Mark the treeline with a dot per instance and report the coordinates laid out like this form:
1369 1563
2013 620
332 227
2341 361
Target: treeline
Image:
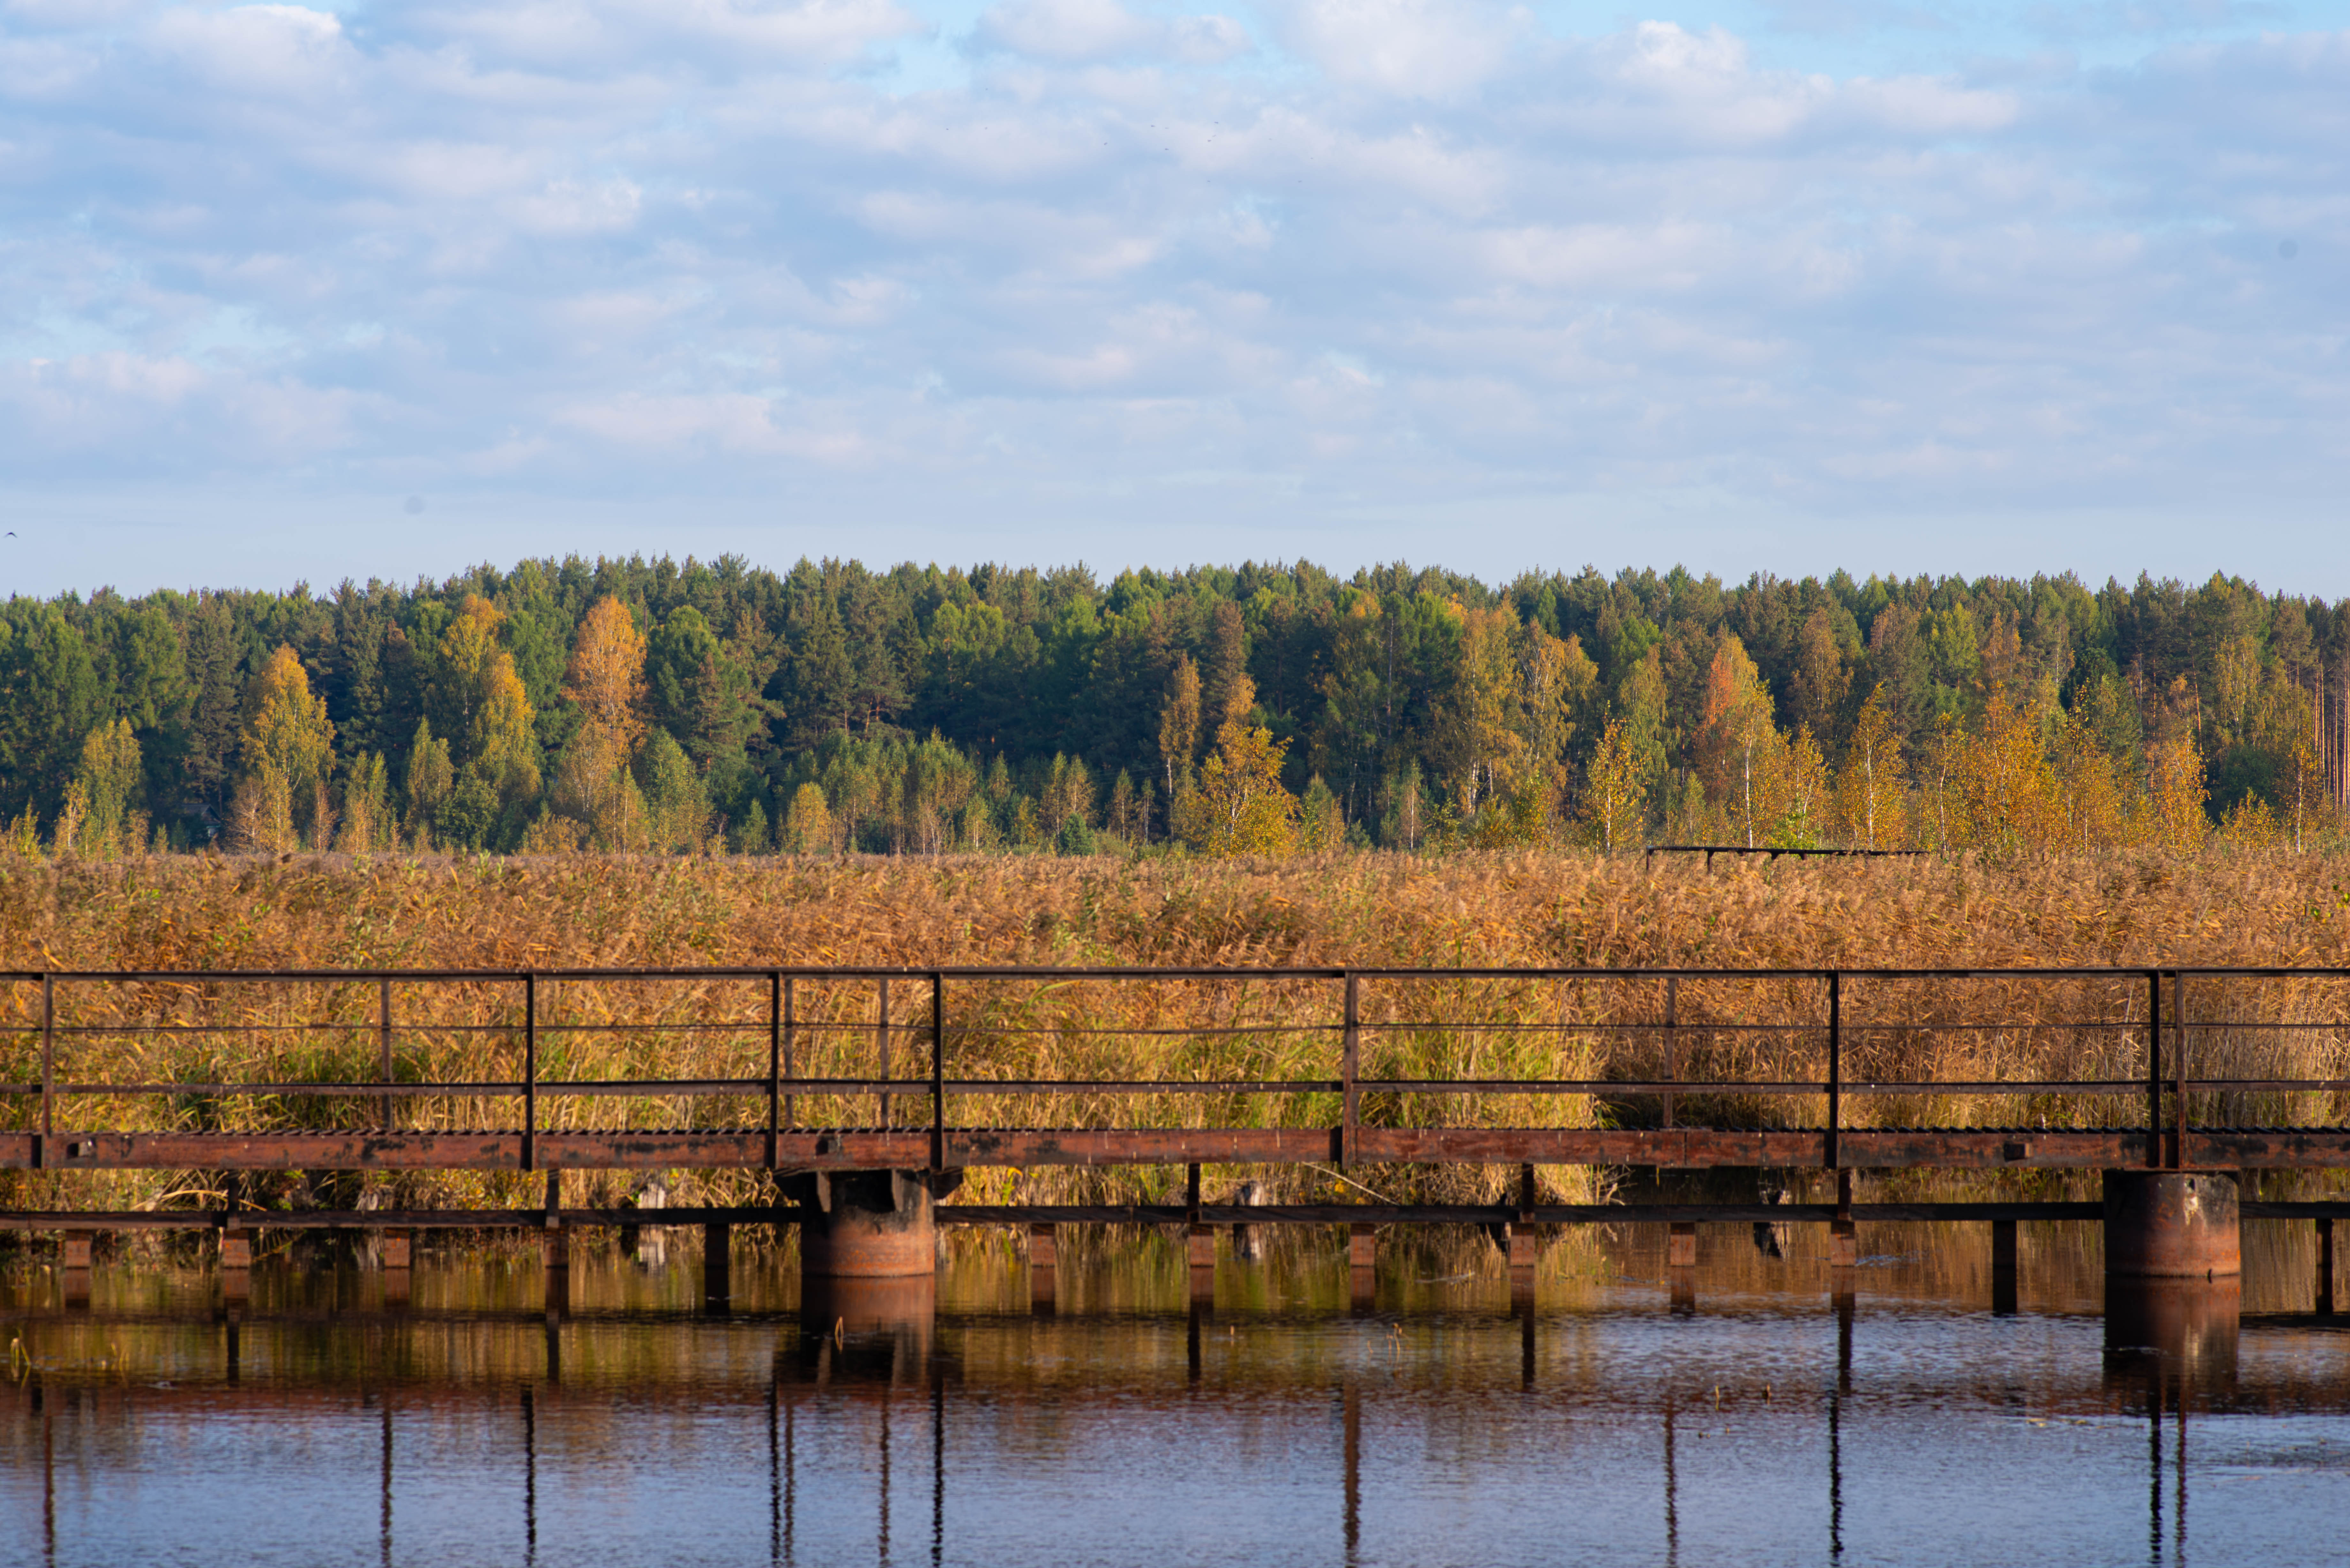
658 706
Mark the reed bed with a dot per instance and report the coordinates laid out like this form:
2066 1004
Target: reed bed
1374 909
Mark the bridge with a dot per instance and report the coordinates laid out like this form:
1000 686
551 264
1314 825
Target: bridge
855 1100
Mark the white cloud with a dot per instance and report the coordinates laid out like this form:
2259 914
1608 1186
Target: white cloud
1428 251
1415 49
270 50
573 207
1081 30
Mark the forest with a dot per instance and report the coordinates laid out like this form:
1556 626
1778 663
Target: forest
693 708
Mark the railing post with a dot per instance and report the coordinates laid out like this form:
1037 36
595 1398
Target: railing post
49 1072
2154 1069
383 1040
530 1071
1835 1068
1350 1061
881 1031
937 1072
1672 1039
774 1057
791 1030
2178 1072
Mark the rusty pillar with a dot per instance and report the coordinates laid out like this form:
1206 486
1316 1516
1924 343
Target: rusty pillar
2172 1224
76 1246
866 1225
396 1249
1681 1245
1843 1244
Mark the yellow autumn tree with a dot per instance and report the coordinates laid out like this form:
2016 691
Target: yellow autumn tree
1179 725
1790 798
483 692
808 823
288 745
2173 813
2092 806
1733 727
1615 793
1871 795
2004 782
101 800
1239 806
369 822
606 681
1476 742
1555 680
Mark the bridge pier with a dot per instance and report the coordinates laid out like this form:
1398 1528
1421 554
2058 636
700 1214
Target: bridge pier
2171 1225
866 1224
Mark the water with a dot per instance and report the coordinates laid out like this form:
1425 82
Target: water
1758 1420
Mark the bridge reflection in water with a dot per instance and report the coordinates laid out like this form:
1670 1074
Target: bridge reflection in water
1772 1414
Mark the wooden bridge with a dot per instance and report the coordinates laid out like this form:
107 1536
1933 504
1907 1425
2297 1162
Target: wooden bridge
808 1075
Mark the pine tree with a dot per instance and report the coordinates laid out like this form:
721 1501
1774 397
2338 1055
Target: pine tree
1227 694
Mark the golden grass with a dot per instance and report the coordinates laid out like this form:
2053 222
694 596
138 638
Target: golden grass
1498 909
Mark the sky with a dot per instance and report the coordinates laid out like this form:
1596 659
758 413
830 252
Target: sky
385 288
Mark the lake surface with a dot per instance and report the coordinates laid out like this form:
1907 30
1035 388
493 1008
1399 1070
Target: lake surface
1752 1416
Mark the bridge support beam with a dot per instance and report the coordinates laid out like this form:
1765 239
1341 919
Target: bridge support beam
2171 1225
866 1224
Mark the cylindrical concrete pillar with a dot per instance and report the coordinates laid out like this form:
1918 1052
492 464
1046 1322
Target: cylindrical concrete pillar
2171 1225
868 1225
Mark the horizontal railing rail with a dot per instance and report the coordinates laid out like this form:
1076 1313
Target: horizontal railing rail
525 1023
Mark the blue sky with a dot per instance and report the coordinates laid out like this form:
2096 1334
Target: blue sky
301 293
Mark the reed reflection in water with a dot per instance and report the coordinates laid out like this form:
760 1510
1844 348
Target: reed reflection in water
1756 1417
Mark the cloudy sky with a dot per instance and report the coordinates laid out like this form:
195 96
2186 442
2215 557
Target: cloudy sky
391 286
